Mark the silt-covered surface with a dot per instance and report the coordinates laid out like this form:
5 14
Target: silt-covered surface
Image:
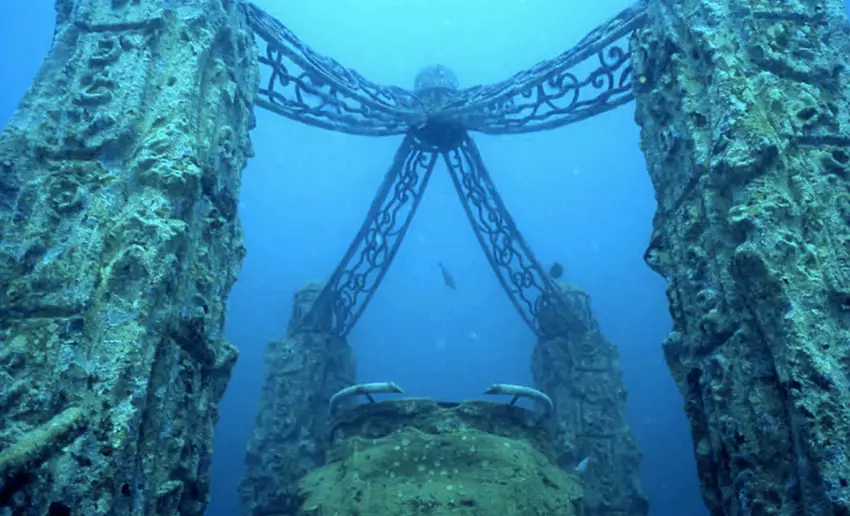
472 458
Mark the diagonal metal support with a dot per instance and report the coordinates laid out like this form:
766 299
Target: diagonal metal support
532 291
301 84
360 272
554 93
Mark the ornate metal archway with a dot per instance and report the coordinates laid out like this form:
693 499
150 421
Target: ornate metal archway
436 119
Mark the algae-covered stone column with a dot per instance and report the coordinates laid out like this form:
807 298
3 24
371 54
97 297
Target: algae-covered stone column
290 436
581 372
744 114
119 243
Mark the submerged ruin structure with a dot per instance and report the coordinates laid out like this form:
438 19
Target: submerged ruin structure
436 119
120 241
290 436
580 370
745 123
119 244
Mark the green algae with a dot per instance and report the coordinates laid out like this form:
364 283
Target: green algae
462 472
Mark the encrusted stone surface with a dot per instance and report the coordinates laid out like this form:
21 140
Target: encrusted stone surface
413 456
290 435
744 114
581 372
377 420
119 243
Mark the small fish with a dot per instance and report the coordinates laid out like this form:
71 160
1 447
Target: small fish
473 335
582 466
447 277
556 270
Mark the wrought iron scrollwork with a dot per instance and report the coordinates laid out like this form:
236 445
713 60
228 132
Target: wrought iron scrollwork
436 119
301 84
359 273
552 94
532 291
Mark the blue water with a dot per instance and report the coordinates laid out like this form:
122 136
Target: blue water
580 194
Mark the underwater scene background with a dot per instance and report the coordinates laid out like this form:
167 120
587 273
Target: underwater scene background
580 195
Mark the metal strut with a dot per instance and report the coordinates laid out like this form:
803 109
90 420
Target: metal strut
539 301
532 291
359 273
301 84
553 93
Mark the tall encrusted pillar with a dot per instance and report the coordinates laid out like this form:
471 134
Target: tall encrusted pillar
581 372
119 243
290 436
744 113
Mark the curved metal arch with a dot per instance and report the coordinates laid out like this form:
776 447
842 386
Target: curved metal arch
303 85
308 87
550 94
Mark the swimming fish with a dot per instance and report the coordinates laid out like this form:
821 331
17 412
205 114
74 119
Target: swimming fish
447 277
556 270
582 466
